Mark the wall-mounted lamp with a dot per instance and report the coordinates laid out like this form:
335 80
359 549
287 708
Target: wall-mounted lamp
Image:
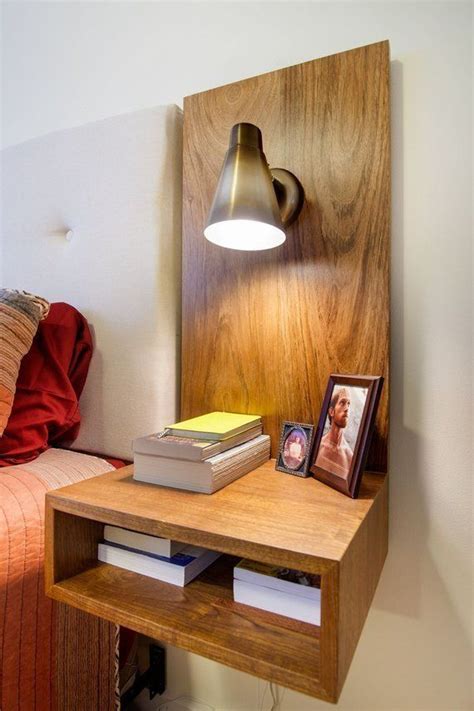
253 204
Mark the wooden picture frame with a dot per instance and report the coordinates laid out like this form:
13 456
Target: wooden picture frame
344 431
289 460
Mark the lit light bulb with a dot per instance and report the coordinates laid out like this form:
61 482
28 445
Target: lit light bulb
248 235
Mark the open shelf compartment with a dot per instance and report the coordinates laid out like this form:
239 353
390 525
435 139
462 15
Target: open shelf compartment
202 617
266 516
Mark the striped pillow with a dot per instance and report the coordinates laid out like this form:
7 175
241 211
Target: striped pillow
20 314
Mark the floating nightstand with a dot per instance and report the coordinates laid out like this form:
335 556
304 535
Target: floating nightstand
264 516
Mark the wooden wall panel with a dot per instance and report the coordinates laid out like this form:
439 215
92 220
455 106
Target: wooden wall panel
262 331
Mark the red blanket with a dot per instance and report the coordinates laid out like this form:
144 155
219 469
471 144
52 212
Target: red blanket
52 375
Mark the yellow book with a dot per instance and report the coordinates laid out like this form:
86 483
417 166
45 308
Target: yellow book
214 425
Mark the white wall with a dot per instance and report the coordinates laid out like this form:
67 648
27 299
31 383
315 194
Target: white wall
65 64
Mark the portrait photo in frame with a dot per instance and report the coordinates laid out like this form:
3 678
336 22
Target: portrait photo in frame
294 454
344 431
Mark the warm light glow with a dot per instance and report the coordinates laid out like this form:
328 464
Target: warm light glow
248 235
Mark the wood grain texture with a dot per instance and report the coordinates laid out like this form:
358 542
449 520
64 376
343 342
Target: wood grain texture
329 639
71 544
359 573
266 515
202 618
261 334
262 331
84 678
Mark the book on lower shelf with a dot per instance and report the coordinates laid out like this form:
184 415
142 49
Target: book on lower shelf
206 476
179 569
286 592
143 542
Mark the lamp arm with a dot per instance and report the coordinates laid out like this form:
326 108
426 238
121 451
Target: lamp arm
289 193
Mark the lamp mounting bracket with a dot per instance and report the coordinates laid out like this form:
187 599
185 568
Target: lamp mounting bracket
289 193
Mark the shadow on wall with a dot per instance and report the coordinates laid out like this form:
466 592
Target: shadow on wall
414 653
168 232
93 398
411 586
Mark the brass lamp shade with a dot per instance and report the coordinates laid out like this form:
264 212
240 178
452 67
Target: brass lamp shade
251 206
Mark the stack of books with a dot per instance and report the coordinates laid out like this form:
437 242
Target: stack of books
286 592
202 454
160 558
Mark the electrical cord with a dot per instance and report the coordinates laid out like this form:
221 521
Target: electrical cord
276 698
274 693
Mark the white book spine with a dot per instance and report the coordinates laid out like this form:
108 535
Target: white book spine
162 570
270 581
203 482
169 469
142 542
136 563
298 608
193 450
186 485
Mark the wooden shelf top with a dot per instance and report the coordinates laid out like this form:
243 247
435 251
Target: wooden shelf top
266 515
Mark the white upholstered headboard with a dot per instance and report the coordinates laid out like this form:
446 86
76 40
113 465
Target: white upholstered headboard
117 185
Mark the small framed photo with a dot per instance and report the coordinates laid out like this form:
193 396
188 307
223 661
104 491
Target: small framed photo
345 430
294 455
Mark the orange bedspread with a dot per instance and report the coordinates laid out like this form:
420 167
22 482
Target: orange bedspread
51 656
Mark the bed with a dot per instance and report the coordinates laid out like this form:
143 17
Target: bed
91 223
37 647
